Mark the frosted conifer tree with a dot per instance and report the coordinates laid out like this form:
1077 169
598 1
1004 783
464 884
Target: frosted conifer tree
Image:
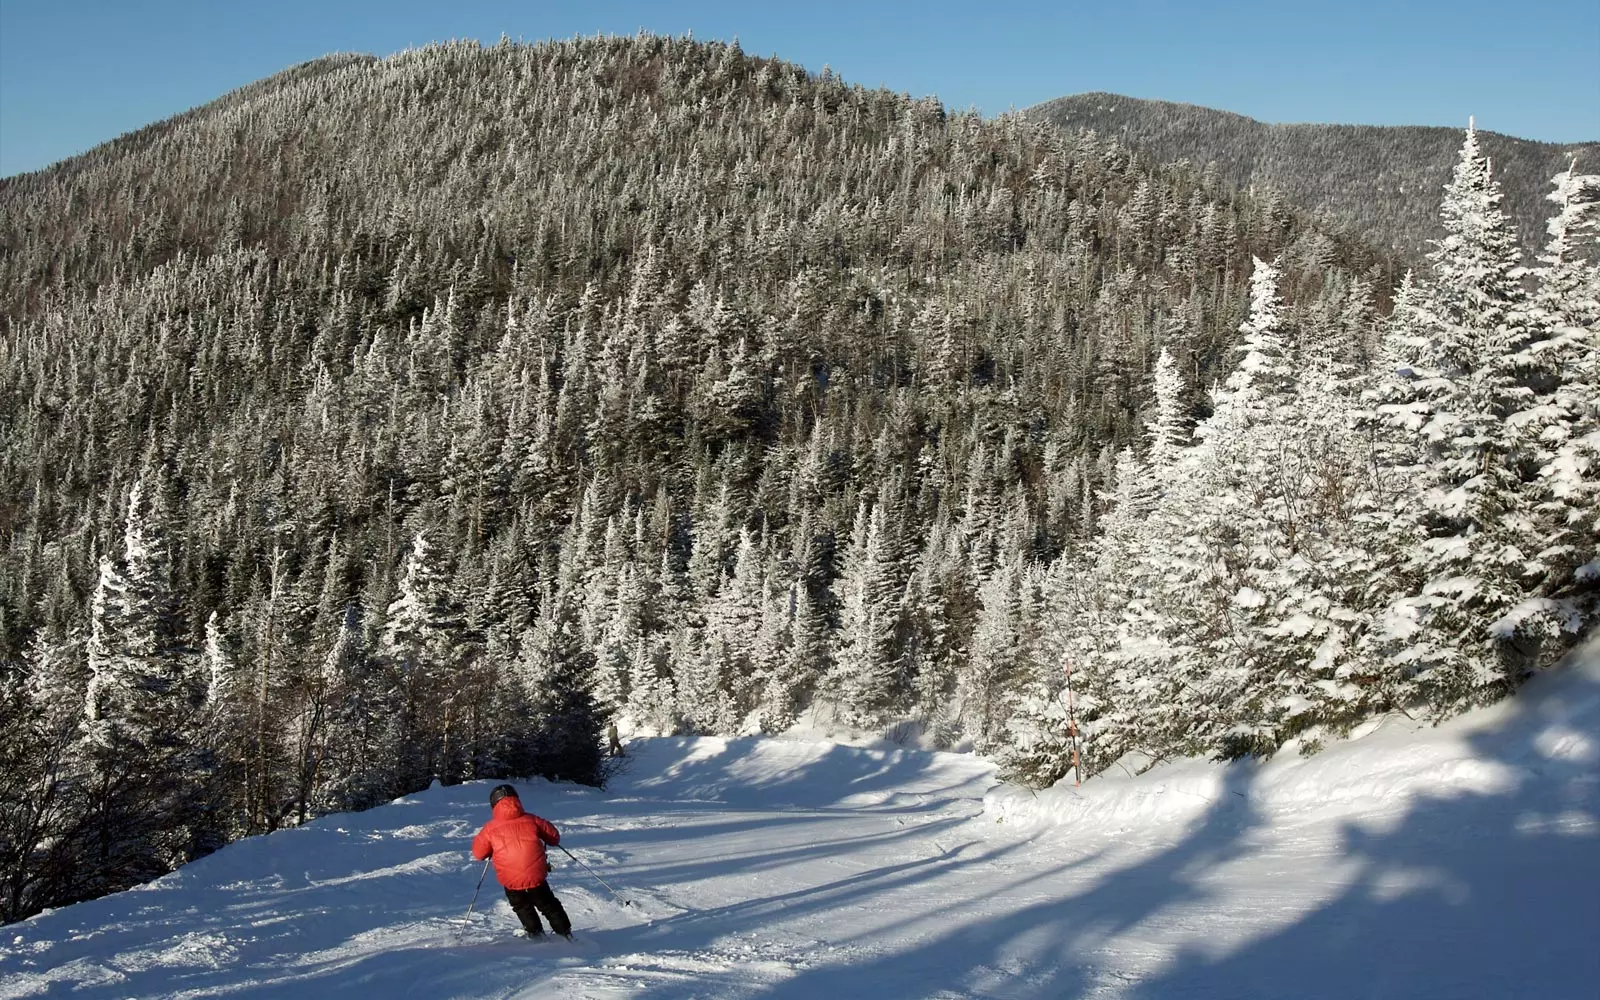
773 639
225 731
1569 283
1480 547
732 632
1265 372
867 672
1397 404
111 686
136 691
220 667
1230 520
362 728
984 689
715 536
557 672
795 674
619 635
652 694
56 677
138 711
1039 742
40 717
1566 417
424 643
701 675
1167 431
1090 608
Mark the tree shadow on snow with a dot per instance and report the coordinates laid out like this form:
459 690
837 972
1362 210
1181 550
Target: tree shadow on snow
1493 892
1043 949
765 773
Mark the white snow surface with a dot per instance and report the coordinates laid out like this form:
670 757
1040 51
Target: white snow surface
1457 861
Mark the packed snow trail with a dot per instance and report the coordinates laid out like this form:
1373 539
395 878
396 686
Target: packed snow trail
1462 861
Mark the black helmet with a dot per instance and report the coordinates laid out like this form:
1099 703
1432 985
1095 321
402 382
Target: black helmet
499 792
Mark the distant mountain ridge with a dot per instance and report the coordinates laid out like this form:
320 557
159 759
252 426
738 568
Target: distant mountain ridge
1365 177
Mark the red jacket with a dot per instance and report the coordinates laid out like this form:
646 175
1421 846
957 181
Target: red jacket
516 839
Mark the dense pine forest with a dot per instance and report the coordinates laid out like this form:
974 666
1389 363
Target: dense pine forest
392 421
1381 182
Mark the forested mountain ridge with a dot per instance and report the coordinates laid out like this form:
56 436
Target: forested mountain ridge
399 420
1384 183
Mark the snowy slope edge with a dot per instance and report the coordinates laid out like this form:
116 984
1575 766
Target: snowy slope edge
1388 762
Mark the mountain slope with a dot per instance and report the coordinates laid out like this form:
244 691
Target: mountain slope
411 418
1457 861
1383 182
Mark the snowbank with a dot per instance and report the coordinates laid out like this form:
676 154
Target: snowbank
1493 751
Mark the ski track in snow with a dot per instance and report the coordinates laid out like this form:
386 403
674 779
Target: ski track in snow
1461 861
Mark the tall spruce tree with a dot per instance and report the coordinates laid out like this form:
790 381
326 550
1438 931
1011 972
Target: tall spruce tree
1480 551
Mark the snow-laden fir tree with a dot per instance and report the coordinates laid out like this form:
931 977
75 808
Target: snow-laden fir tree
733 626
41 710
363 725
1462 641
138 713
135 695
867 676
424 643
1566 413
557 673
1168 431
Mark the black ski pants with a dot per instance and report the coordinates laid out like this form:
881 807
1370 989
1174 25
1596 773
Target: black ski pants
529 903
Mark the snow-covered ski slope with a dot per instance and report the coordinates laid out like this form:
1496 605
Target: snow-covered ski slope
1462 861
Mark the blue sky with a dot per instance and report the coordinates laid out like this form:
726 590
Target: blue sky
74 73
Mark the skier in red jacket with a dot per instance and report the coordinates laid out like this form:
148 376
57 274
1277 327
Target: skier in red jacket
516 839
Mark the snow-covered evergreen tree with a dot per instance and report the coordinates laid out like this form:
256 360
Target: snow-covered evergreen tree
135 696
868 675
1478 553
733 626
138 713
41 710
1566 413
1167 432
557 672
364 734
1001 653
425 643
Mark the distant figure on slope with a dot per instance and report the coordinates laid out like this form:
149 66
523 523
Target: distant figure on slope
516 839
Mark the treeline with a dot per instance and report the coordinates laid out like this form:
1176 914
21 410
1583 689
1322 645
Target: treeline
409 420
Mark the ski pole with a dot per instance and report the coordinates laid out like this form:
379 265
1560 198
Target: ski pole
591 871
475 892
